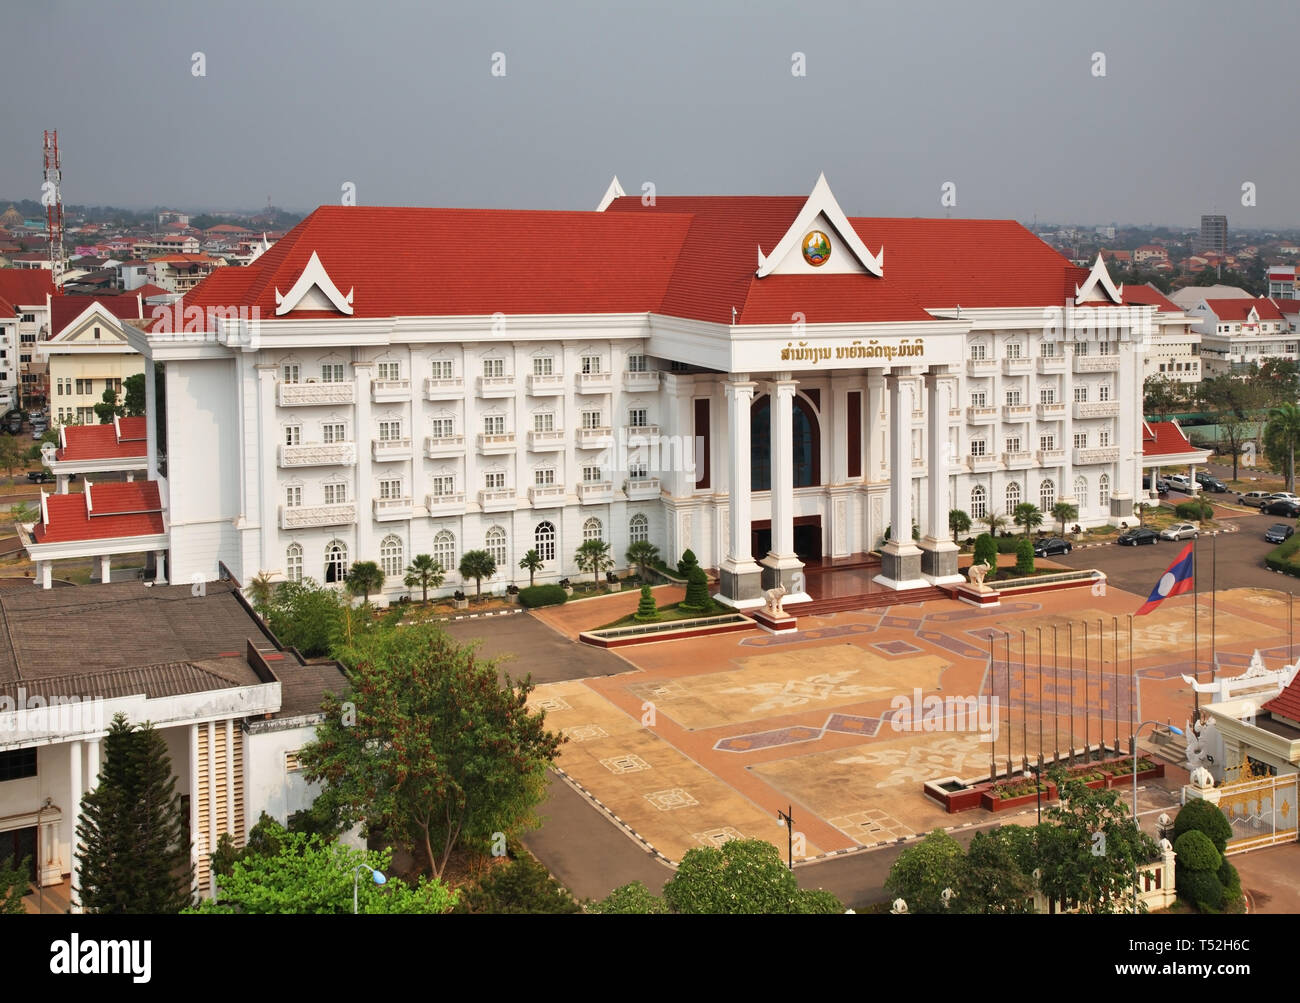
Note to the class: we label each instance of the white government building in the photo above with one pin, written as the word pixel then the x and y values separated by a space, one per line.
pixel 386 382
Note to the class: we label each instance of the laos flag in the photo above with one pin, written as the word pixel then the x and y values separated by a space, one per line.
pixel 1180 578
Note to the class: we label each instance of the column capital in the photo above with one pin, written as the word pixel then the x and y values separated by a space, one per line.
pixel 266 367
pixel 903 374
pixel 740 388
pixel 939 373
pixel 783 386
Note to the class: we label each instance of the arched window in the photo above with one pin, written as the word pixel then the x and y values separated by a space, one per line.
pixel 805 444
pixel 979 502
pixel 1103 491
pixel 390 556
pixel 1047 496
pixel 592 530
pixel 1013 496
pixel 638 528
pixel 293 562
pixel 444 550
pixel 1081 490
pixel 336 562
pixel 495 544
pixel 544 541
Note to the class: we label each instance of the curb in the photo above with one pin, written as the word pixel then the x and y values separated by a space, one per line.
pixel 463 616
pixel 608 813
pixel 1111 543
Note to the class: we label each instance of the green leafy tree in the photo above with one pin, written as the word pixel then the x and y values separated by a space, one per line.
pixel 477 564
pixel 630 900
pixel 520 886
pixel 647 611
pixel 305 615
pixel 1024 556
pixel 532 563
pixel 924 870
pixel 994 878
pixel 1162 396
pixel 1028 517
pixel 743 876
pixel 423 573
pixel 363 578
pixel 1279 381
pixel 431 746
pixel 133 400
pixel 1089 858
pixel 1280 437
pixel 996 522
pixel 1065 512
pixel 260 589
pixel 594 556
pixel 24 512
pixel 11 455
pixel 307 874
pixel 1232 401
pixel 108 408
pixel 132 850
pixel 697 591
pixel 15 881
pixel 642 553
pixel 958 523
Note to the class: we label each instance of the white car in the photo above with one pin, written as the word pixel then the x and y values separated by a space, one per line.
pixel 1179 482
pixel 1284 495
pixel 1181 531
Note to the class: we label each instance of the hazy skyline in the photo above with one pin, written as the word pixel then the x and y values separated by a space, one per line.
pixel 400 99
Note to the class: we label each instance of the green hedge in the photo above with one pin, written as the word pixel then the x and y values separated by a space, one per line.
pixel 1279 558
pixel 541 595
pixel 986 550
pixel 1199 815
pixel 1197 510
pixel 1196 852
pixel 1201 888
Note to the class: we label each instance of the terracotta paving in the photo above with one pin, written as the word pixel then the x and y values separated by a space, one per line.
pixel 710 736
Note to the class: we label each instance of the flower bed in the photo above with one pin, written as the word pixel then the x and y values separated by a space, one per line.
pixel 1014 793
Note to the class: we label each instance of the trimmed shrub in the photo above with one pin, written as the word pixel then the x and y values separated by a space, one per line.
pixel 986 550
pixel 1206 818
pixel 697 592
pixel 1201 888
pixel 688 561
pixel 1196 852
pixel 1197 510
pixel 1280 557
pixel 646 610
pixel 1230 879
pixel 1025 556
pixel 541 595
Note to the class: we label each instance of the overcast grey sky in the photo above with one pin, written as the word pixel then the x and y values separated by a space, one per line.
pixel 998 98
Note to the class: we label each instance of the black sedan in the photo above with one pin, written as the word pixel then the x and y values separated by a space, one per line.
pixel 1138 537
pixel 1209 483
pixel 1281 506
pixel 1049 547
pixel 1278 532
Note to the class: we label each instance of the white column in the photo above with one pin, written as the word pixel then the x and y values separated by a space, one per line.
pixel 61 484
pixel 783 567
pixel 151 419
pixel 73 815
pixel 269 498
pixel 92 764
pixel 130 476
pixel 939 552
pixel 160 567
pixel 900 557
pixel 741 582
pixel 104 570
pixel 362 434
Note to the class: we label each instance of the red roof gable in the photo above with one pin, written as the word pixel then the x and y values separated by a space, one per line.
pixel 26 286
pixel 101 442
pixel 1149 295
pixel 1239 309
pixel 65 309
pixel 116 510
pixel 1287 703
pixel 1165 438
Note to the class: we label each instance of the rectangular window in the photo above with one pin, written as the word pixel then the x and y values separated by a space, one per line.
pixel 333 432
pixel 441 369
pixel 390 488
pixel 544 366
pixel 442 428
pixel 1013 444
pixel 977 353
pixel 390 370
pixel 86 415
pixel 290 372
pixel 1048 350
pixel 591 419
pixel 590 365
pixel 390 431
pixel 293 496
pixel 18 764
pixel 1013 398
pixel 978 398
pixel 1013 350
pixel 1103 437
pixel 636 364
pixel 977 447
pixel 637 469
pixel 336 494
pixel 592 475
pixel 445 484
pixel 494 367
pixel 544 421
pixel 494 480
pixel 544 476
pixel 1047 442
pixel 81 386
pixel 494 424
pixel 1103 392
pixel 331 372
pixel 1105 348
pixel 1080 348
pixel 1080 440
pixel 1047 395
pixel 638 416
pixel 293 435
pixel 1081 394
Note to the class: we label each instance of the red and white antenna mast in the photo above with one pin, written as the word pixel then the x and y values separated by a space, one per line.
pixel 52 199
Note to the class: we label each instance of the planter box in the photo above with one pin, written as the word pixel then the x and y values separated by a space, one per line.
pixel 991 803
pixel 964 798
pixel 460 603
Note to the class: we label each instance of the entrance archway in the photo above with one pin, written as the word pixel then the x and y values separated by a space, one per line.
pixel 806 444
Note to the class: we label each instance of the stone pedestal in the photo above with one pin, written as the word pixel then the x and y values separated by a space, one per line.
pixel 786 571
pixel 939 562
pixel 900 566
pixel 774 624
pixel 740 585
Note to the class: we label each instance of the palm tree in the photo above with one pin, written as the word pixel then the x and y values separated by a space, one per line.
pixel 1028 516
pixel 259 590
pixel 996 522
pixel 1284 424
pixel 593 556
pixel 363 578
pixel 423 572
pixel 958 523
pixel 642 553
pixel 477 564
pixel 532 563
pixel 1064 512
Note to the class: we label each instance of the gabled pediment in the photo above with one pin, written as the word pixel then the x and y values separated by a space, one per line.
pixel 1098 285
pixel 821 217
pixel 314 290
pixel 614 191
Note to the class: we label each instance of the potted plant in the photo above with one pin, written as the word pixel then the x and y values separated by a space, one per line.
pixel 567 586
pixel 612 579
pixel 512 593
pixel 459 599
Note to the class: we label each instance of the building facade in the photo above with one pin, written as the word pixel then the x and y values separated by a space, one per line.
pixel 639 372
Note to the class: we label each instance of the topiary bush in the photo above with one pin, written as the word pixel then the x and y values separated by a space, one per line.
pixel 1230 879
pixel 986 550
pixel 1025 556
pixel 697 592
pixel 541 595
pixel 1280 557
pixel 1201 888
pixel 688 561
pixel 646 610
pixel 1197 510
pixel 1205 818
pixel 1196 852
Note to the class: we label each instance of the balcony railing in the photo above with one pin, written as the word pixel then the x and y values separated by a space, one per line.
pixel 545 385
pixel 390 449
pixel 595 383
pixel 1017 412
pixel 302 394
pixel 1050 457
pixel 453 501
pixel 496 442
pixel 496 499
pixel 981 414
pixel 595 491
pixel 1053 411
pixel 981 367
pixel 388 509
pixel 1102 454
pixel 1096 363
pixel 1016 367
pixel 1020 458
pixel 641 488
pixel 594 438
pixel 547 441
pixel 496 386
pixel 634 382
pixel 382 391
pixel 544 495
pixel 319 454
pixel 443 445
pixel 310 516
pixel 984 461
pixel 1051 363
pixel 646 432
pixel 1096 409
pixel 444 389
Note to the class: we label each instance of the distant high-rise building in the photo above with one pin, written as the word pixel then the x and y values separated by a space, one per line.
pixel 1214 234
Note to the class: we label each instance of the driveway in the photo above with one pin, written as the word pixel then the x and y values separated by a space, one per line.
pixel 525 645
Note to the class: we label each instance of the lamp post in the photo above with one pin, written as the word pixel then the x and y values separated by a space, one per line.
pixel 1037 772
pixel 1133 753
pixel 376 876
pixel 787 819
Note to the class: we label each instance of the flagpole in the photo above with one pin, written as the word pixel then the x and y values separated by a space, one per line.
pixel 1196 642
pixel 1024 706
pixel 1214 602
pixel 1132 685
pixel 1056 698
pixel 993 746
pixel 1114 676
pixel 1040 699
pixel 1010 721
pixel 1070 637
pixel 1087 747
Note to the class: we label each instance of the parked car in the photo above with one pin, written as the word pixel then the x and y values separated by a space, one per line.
pixel 1053 545
pixel 1138 538
pixel 1181 531
pixel 1255 499
pixel 1284 496
pixel 39 476
pixel 1211 483
pixel 1179 482
pixel 1278 532
pixel 1162 487
pixel 1281 506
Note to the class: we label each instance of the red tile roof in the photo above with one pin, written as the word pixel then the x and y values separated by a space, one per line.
pixel 101 442
pixel 7 309
pixel 1149 295
pixel 65 309
pixel 1239 309
pixel 26 286
pixel 133 429
pixel 1165 438
pixel 115 510
pixel 1287 703
pixel 686 256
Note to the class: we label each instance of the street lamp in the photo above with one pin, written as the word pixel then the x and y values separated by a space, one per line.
pixel 787 819
pixel 376 876
pixel 1133 754
pixel 1037 772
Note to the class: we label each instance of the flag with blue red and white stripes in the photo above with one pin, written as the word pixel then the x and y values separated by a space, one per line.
pixel 1179 578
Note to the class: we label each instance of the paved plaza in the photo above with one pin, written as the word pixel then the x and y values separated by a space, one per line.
pixel 703 740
